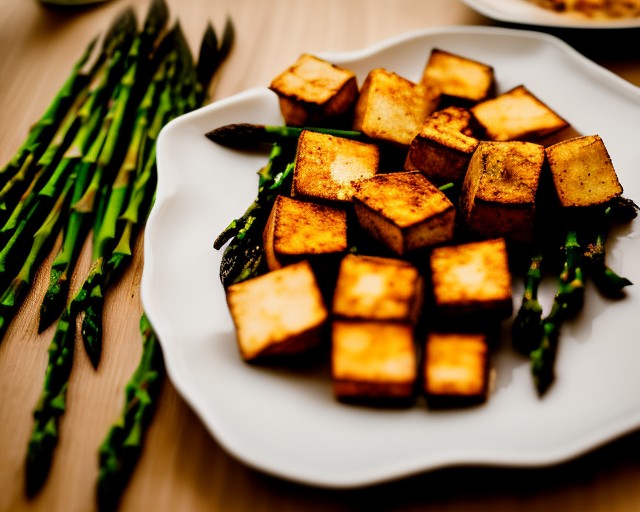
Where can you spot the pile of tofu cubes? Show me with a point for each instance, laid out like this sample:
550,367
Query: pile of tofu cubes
420,316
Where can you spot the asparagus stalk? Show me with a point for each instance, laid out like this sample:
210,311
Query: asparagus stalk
526,327
43,239
18,245
266,182
610,283
52,404
243,256
122,446
141,197
567,302
247,135
211,56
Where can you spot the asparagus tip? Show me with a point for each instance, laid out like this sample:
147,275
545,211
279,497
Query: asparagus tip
238,135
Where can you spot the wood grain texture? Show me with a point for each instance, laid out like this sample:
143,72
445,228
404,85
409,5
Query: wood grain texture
182,467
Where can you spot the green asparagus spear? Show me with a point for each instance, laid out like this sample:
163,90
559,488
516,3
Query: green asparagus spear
52,404
567,302
210,57
243,256
17,247
526,329
43,240
610,283
122,446
247,135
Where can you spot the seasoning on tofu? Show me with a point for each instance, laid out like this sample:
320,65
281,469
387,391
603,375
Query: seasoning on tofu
499,192
391,108
455,369
373,362
443,147
378,288
472,279
326,166
404,211
314,92
461,80
582,171
278,313
517,115
298,229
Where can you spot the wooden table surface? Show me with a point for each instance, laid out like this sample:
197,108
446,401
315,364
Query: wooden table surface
182,467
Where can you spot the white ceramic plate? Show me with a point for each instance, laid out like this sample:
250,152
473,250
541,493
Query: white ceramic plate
527,13
287,423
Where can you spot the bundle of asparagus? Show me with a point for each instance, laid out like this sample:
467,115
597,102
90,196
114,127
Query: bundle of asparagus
88,165
583,257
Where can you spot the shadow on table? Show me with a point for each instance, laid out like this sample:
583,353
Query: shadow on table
471,489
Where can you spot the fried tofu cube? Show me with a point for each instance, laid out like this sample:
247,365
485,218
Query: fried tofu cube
378,288
314,92
297,230
443,147
373,362
456,369
498,195
582,172
517,115
461,80
279,313
404,211
472,279
326,166
391,108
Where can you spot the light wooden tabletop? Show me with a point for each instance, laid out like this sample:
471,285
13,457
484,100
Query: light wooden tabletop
182,467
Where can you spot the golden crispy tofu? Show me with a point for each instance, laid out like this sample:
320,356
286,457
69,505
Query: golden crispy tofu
517,115
314,92
499,191
391,108
582,172
456,369
378,288
327,166
298,230
443,147
278,313
373,362
472,279
461,80
404,211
